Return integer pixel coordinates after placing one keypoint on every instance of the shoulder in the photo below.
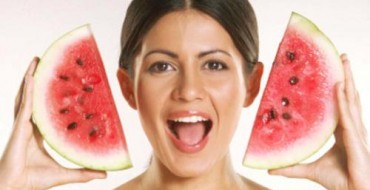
(132, 184)
(252, 185)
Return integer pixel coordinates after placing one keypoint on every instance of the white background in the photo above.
(28, 27)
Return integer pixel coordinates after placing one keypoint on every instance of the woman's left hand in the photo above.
(347, 164)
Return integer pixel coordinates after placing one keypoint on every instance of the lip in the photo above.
(185, 148)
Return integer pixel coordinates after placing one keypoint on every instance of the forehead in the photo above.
(187, 28)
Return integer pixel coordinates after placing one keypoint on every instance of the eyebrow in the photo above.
(174, 55)
(162, 51)
(205, 53)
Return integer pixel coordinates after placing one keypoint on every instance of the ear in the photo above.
(127, 88)
(253, 82)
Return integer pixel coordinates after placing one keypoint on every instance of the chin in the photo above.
(190, 167)
(190, 171)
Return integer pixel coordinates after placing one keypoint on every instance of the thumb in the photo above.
(82, 175)
(68, 176)
(295, 171)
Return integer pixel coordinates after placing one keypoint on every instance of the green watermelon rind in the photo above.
(294, 155)
(117, 160)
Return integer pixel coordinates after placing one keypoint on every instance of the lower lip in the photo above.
(185, 148)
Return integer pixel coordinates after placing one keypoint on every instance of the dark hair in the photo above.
(236, 16)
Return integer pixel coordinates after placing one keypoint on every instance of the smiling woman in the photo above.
(189, 64)
(188, 68)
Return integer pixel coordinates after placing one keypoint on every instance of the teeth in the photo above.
(191, 119)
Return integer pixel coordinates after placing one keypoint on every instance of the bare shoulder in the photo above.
(132, 184)
(253, 185)
(136, 184)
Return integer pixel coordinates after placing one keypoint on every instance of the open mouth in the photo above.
(191, 130)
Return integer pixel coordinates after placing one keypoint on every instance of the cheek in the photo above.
(227, 93)
(228, 97)
(152, 96)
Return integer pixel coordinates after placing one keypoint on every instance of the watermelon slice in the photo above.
(74, 107)
(298, 112)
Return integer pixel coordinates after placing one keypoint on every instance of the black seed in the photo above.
(64, 111)
(79, 62)
(286, 116)
(64, 77)
(72, 125)
(290, 55)
(88, 88)
(272, 113)
(89, 116)
(93, 131)
(285, 101)
(293, 80)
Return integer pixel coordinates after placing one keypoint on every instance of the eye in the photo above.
(160, 67)
(215, 65)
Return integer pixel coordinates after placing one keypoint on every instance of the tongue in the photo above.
(190, 133)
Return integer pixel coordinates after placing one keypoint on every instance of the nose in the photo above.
(189, 87)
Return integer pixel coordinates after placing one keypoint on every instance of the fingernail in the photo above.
(36, 59)
(102, 175)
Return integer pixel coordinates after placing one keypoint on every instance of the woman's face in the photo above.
(189, 88)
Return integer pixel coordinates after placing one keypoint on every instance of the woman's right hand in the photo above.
(25, 163)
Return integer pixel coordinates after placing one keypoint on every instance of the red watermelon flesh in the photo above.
(297, 113)
(74, 107)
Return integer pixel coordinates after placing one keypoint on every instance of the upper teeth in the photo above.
(191, 119)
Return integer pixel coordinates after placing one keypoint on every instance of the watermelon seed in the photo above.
(286, 116)
(88, 88)
(290, 55)
(269, 115)
(72, 125)
(79, 62)
(284, 101)
(64, 77)
(64, 111)
(273, 113)
(93, 131)
(293, 80)
(89, 116)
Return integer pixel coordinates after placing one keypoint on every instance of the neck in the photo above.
(221, 176)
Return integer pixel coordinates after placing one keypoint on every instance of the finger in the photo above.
(351, 92)
(345, 119)
(18, 99)
(338, 135)
(17, 145)
(296, 171)
(66, 176)
(27, 77)
(78, 176)
(348, 78)
(22, 125)
(353, 102)
(351, 133)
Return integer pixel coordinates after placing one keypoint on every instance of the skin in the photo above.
(203, 67)
(26, 165)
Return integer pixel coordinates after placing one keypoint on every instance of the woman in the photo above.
(180, 62)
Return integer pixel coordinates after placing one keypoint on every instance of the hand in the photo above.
(25, 163)
(347, 164)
